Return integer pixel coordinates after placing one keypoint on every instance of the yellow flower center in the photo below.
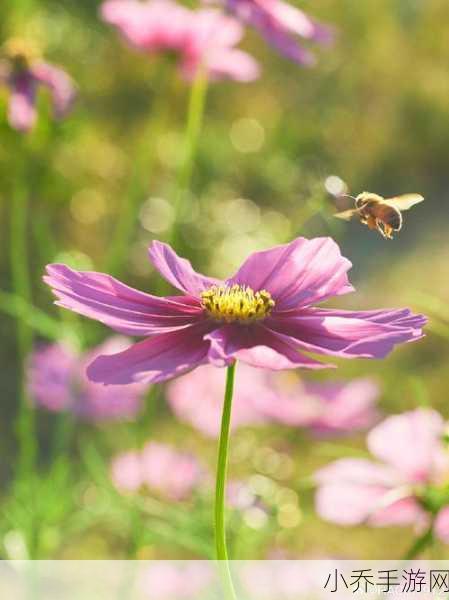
(237, 303)
(19, 53)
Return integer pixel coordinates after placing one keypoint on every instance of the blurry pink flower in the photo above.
(325, 408)
(280, 23)
(201, 39)
(393, 491)
(197, 398)
(57, 381)
(127, 472)
(263, 315)
(172, 473)
(23, 75)
(159, 467)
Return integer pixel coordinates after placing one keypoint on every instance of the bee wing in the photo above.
(404, 202)
(346, 215)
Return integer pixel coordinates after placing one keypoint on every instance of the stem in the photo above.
(220, 488)
(21, 284)
(195, 112)
(420, 544)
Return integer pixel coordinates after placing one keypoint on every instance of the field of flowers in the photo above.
(198, 360)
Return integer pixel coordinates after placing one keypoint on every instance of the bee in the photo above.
(378, 213)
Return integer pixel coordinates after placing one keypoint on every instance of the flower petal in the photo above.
(225, 63)
(257, 347)
(99, 403)
(297, 274)
(178, 271)
(279, 23)
(156, 359)
(22, 109)
(149, 26)
(411, 442)
(341, 333)
(297, 21)
(101, 297)
(351, 490)
(60, 85)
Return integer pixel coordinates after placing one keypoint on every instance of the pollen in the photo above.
(237, 303)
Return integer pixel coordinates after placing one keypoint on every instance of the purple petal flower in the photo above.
(280, 24)
(23, 74)
(159, 467)
(391, 492)
(201, 39)
(262, 315)
(57, 381)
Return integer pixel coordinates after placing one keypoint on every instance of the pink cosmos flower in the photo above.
(160, 468)
(201, 39)
(197, 398)
(324, 408)
(280, 23)
(263, 315)
(23, 75)
(57, 381)
(400, 489)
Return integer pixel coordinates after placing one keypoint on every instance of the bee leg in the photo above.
(388, 230)
(380, 226)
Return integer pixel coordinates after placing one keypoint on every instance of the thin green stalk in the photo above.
(220, 488)
(21, 284)
(195, 113)
(420, 544)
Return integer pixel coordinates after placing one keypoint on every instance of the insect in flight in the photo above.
(381, 214)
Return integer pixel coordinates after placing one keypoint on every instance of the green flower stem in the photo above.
(195, 112)
(25, 425)
(420, 544)
(220, 488)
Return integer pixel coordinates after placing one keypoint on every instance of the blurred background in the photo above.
(272, 158)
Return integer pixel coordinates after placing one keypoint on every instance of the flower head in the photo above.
(57, 381)
(407, 483)
(23, 72)
(160, 468)
(202, 38)
(280, 24)
(195, 328)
